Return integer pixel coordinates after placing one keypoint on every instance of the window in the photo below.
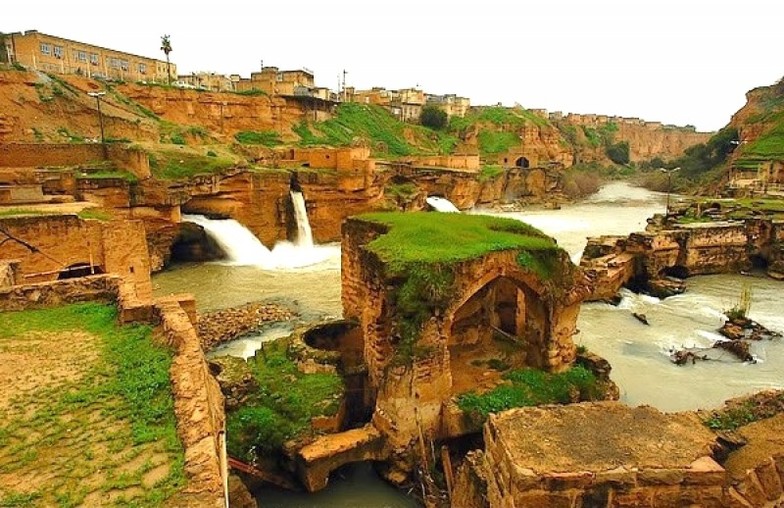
(124, 65)
(114, 63)
(94, 58)
(46, 49)
(81, 56)
(58, 51)
(142, 68)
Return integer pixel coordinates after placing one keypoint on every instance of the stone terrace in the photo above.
(600, 454)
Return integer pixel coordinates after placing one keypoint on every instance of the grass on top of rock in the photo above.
(96, 414)
(183, 164)
(284, 404)
(533, 387)
(434, 237)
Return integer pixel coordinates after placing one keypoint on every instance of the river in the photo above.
(638, 353)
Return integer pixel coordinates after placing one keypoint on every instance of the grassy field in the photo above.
(86, 415)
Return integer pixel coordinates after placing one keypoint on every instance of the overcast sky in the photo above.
(675, 61)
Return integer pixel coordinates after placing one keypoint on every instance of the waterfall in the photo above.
(304, 234)
(440, 204)
(244, 249)
(240, 245)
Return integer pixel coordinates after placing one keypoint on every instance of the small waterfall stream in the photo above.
(304, 234)
(440, 204)
(240, 245)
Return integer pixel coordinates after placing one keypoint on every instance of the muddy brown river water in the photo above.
(637, 353)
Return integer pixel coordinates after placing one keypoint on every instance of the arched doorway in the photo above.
(502, 325)
(522, 162)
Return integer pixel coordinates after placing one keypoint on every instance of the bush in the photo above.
(433, 117)
(618, 153)
(265, 138)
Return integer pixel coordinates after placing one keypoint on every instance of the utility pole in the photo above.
(98, 96)
(344, 85)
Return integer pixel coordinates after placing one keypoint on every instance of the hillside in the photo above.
(190, 131)
(760, 125)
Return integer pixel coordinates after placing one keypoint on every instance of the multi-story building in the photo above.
(49, 53)
(207, 81)
(451, 103)
(405, 104)
(273, 81)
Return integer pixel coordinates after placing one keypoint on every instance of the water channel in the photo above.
(638, 353)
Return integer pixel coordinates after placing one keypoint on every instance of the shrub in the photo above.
(265, 138)
(619, 152)
(433, 117)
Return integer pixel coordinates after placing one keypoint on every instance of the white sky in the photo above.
(675, 61)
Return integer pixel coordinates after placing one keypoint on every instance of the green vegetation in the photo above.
(770, 144)
(177, 165)
(104, 174)
(432, 237)
(252, 93)
(265, 138)
(490, 172)
(737, 414)
(532, 387)
(70, 137)
(118, 408)
(618, 152)
(420, 249)
(498, 116)
(741, 309)
(493, 142)
(401, 191)
(433, 117)
(20, 212)
(284, 404)
(95, 213)
(352, 121)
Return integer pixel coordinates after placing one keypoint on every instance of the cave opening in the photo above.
(76, 270)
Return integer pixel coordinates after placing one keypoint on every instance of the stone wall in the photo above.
(61, 241)
(34, 155)
(95, 288)
(198, 404)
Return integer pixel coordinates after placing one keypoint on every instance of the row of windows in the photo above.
(81, 56)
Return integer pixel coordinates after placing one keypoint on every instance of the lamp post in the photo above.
(98, 96)
(669, 173)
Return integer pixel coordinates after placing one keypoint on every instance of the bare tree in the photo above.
(166, 48)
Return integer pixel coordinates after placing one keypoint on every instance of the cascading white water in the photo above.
(239, 244)
(440, 204)
(304, 234)
(244, 249)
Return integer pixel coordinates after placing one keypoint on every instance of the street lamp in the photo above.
(669, 173)
(98, 96)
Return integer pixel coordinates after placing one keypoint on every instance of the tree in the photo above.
(619, 152)
(433, 117)
(166, 48)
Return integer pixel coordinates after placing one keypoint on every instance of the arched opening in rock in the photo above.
(79, 270)
(192, 243)
(522, 162)
(501, 326)
(677, 271)
(346, 338)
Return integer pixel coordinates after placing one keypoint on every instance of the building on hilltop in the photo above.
(50, 53)
(207, 81)
(451, 103)
(404, 104)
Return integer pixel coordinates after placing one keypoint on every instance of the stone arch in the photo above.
(502, 321)
(82, 269)
(523, 162)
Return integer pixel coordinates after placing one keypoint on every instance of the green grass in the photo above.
(494, 142)
(354, 121)
(490, 172)
(284, 404)
(179, 165)
(21, 212)
(252, 93)
(433, 237)
(265, 138)
(531, 387)
(95, 213)
(498, 116)
(770, 144)
(128, 384)
(121, 174)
